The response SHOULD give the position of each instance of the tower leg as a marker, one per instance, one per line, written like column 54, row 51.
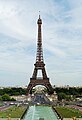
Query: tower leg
column 34, row 73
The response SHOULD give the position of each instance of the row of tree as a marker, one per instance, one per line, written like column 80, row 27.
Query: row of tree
column 22, row 91
column 63, row 93
column 13, row 91
column 69, row 91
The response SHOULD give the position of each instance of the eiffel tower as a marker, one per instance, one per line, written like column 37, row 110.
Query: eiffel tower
column 39, row 65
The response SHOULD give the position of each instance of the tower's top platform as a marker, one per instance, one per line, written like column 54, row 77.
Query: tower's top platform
column 39, row 20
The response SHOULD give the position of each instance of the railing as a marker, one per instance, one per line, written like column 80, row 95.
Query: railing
column 39, row 78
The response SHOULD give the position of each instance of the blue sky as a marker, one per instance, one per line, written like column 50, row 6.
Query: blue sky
column 61, row 35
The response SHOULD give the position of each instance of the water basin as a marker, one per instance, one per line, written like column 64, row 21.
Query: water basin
column 40, row 112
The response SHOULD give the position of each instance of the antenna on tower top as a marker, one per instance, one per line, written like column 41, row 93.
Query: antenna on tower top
column 39, row 14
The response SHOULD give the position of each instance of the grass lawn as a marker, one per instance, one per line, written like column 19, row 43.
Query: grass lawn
column 13, row 112
column 66, row 112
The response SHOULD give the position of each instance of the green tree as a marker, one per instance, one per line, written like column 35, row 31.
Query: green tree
column 0, row 98
column 12, row 99
column 6, row 97
column 61, row 96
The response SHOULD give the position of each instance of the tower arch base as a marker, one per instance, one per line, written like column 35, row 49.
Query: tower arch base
column 35, row 82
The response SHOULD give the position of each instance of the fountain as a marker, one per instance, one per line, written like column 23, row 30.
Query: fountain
column 33, row 112
column 40, row 113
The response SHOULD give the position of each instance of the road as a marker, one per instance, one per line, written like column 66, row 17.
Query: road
column 5, row 107
column 40, row 98
column 76, row 107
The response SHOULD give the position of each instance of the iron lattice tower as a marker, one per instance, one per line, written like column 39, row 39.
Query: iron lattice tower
column 39, row 65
